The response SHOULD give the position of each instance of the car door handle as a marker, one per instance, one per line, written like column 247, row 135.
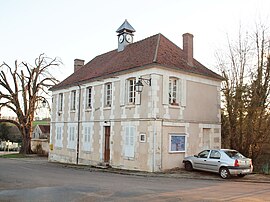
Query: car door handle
column 204, row 160
column 219, row 161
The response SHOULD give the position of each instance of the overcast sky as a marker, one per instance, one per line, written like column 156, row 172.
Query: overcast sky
column 83, row 29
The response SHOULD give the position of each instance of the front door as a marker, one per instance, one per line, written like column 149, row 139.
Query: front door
column 107, row 144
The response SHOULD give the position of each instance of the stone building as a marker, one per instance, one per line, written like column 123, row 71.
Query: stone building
column 143, row 106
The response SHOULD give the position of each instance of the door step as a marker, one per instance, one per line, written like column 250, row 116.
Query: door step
column 103, row 165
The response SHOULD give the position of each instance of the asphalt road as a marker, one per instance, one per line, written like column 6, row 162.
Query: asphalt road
column 34, row 179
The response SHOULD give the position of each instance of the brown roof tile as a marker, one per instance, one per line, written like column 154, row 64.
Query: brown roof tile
column 155, row 49
column 44, row 128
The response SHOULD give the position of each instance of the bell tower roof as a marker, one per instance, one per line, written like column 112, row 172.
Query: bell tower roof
column 125, row 27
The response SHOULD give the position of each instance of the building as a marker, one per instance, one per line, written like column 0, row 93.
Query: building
column 39, row 141
column 41, row 132
column 98, row 117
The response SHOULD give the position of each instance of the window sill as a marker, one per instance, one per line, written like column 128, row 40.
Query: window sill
column 176, row 106
column 107, row 108
column 88, row 110
column 86, row 152
column 176, row 152
column 129, row 158
column 130, row 106
column 72, row 111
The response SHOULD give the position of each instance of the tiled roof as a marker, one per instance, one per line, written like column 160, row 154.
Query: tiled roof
column 156, row 49
column 44, row 128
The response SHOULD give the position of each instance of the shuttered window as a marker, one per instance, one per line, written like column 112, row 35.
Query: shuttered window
column 59, row 136
column 71, row 137
column 129, row 141
column 87, row 138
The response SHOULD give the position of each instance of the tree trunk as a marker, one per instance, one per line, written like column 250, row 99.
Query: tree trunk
column 26, row 143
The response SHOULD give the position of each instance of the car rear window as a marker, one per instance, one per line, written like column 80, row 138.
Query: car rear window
column 234, row 154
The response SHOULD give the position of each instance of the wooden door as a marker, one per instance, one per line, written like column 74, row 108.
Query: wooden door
column 107, row 144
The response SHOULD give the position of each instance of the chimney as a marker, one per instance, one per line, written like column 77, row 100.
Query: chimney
column 78, row 63
column 188, row 47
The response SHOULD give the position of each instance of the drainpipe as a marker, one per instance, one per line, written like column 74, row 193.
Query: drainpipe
column 154, row 146
column 78, row 131
column 154, row 131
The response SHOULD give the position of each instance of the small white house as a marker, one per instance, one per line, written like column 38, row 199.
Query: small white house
column 41, row 132
column 40, row 139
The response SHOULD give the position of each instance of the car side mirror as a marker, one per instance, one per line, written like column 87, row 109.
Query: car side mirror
column 196, row 156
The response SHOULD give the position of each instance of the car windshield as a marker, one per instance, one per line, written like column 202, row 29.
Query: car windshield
column 234, row 154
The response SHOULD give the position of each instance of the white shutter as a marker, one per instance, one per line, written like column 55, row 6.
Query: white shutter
column 183, row 95
column 165, row 89
column 132, row 141
column 122, row 92
column 89, row 135
column 129, row 141
column 85, row 134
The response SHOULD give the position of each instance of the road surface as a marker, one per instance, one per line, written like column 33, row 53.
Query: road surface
column 34, row 179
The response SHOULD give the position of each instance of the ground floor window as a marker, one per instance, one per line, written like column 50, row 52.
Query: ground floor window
column 71, row 137
column 177, row 143
column 58, row 135
column 87, row 137
column 129, row 141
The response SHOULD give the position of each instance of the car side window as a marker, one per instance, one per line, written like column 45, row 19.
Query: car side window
column 215, row 155
column 204, row 154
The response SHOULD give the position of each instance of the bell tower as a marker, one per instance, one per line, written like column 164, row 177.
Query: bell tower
column 125, row 35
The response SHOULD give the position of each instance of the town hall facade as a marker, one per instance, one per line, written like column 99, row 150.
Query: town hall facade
column 143, row 106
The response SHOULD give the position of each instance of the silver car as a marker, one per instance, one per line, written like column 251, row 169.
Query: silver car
column 226, row 162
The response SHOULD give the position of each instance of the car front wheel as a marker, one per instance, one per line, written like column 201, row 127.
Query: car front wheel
column 224, row 173
column 188, row 166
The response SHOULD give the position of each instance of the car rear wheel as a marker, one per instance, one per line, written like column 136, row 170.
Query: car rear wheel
column 224, row 173
column 188, row 166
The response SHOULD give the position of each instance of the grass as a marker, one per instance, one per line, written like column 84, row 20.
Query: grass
column 41, row 123
column 16, row 155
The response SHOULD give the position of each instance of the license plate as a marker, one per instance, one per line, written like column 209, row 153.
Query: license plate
column 246, row 171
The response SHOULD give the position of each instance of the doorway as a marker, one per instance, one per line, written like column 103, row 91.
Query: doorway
column 107, row 144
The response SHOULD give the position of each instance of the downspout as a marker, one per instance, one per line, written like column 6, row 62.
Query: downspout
column 78, row 131
column 154, row 146
column 154, row 132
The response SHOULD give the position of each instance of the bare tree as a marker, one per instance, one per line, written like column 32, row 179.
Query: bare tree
column 246, row 69
column 23, row 89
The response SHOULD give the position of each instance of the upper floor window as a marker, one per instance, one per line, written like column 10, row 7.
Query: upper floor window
column 73, row 100
column 173, row 90
column 60, row 102
column 131, row 90
column 108, row 94
column 89, row 97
